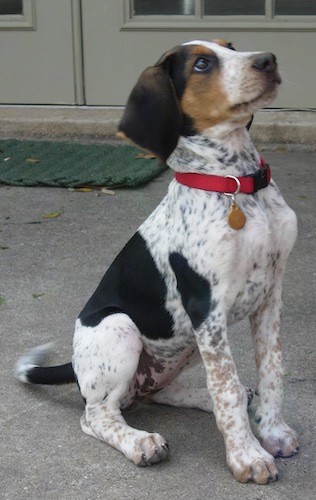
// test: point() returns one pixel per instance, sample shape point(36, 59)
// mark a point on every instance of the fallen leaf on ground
point(105, 190)
point(52, 215)
point(32, 160)
point(2, 300)
point(145, 156)
point(37, 295)
point(83, 189)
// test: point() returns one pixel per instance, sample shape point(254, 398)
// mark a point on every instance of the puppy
point(212, 253)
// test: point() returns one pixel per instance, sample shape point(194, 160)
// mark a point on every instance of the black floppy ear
point(152, 117)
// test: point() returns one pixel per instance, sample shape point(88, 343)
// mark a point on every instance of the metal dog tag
point(236, 217)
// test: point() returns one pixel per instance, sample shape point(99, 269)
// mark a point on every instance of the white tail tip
point(34, 357)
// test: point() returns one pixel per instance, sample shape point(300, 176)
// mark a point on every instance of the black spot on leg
point(194, 289)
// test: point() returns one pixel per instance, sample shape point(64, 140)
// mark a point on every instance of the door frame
point(77, 34)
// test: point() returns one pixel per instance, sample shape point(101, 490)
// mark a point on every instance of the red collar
point(230, 184)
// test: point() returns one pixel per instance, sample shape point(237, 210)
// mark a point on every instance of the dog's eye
point(202, 64)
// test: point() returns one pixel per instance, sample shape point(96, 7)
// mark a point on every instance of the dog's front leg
point(275, 435)
point(246, 458)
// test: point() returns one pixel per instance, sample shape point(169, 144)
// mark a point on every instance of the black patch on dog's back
point(194, 289)
point(132, 285)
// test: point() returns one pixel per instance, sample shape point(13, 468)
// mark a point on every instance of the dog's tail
point(29, 369)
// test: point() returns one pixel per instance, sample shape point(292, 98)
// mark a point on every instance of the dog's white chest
point(241, 265)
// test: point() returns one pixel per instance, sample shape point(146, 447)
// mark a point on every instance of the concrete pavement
point(49, 268)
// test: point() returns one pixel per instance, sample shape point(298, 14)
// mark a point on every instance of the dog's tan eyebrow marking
point(201, 50)
point(222, 42)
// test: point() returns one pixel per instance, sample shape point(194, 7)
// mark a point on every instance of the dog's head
point(194, 87)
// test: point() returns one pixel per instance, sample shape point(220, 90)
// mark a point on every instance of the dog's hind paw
point(151, 450)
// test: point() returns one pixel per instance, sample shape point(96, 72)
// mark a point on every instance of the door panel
point(90, 52)
point(114, 58)
point(38, 63)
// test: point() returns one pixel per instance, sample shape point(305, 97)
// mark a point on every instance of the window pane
point(234, 7)
point(162, 7)
point(11, 7)
point(295, 7)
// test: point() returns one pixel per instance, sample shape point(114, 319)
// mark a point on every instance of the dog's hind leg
point(105, 361)
point(176, 394)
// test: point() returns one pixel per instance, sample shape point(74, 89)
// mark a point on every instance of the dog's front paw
point(252, 463)
point(279, 440)
point(150, 450)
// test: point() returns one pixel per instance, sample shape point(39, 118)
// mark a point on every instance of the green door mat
point(60, 164)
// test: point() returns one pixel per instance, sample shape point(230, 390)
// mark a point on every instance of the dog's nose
point(265, 62)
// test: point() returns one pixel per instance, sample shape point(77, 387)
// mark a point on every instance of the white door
point(122, 37)
point(40, 60)
point(92, 51)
